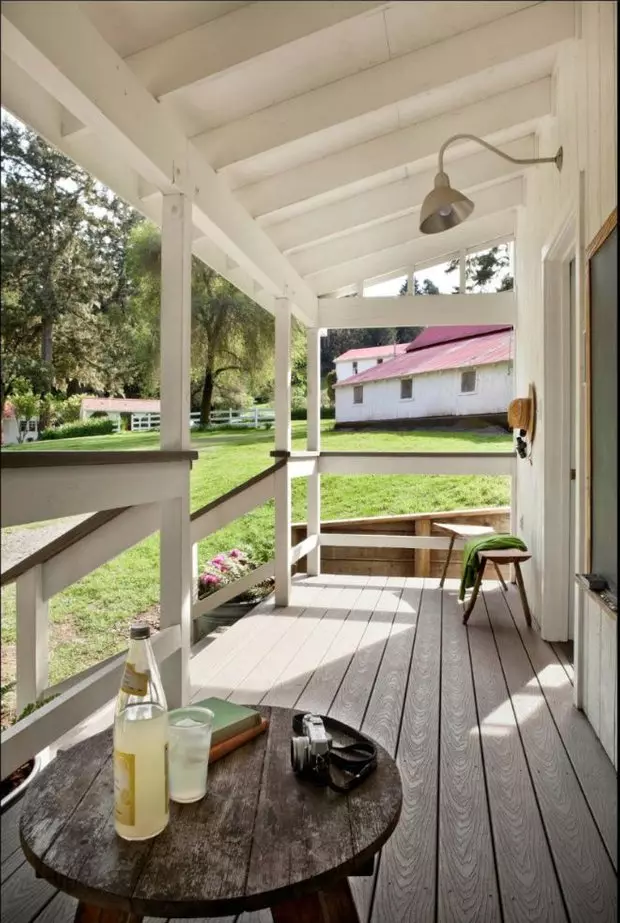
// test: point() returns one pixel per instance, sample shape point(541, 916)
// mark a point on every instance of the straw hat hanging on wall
point(522, 414)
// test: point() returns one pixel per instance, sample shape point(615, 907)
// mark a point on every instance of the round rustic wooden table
point(260, 838)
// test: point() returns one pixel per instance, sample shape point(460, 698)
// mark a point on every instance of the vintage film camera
point(310, 749)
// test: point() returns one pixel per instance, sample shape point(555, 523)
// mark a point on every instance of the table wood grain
point(260, 838)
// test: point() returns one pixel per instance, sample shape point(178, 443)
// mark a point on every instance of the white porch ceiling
point(306, 133)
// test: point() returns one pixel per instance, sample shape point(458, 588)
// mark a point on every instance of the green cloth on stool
point(471, 561)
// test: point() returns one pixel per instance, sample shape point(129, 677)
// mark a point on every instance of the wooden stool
point(508, 556)
point(460, 530)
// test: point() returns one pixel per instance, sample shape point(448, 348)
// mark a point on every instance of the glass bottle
point(141, 802)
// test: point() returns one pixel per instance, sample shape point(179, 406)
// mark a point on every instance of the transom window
point(406, 389)
point(358, 394)
point(468, 381)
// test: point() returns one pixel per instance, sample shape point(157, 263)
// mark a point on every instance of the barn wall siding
point(585, 124)
point(434, 394)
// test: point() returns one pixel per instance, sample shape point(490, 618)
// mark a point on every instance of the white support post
point(314, 445)
point(32, 647)
point(175, 547)
point(463, 272)
point(283, 517)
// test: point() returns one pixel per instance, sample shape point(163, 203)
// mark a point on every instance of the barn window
point(468, 381)
point(358, 394)
point(354, 368)
point(406, 389)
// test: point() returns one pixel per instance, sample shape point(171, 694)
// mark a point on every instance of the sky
point(445, 283)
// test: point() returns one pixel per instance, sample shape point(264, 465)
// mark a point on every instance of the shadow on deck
point(509, 800)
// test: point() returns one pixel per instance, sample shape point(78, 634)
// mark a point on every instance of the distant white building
point(11, 427)
point(446, 372)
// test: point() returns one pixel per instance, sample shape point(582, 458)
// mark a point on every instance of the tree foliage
point(232, 336)
point(486, 271)
point(63, 279)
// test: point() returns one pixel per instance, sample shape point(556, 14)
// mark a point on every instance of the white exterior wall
point(585, 124)
point(434, 394)
point(10, 431)
point(344, 367)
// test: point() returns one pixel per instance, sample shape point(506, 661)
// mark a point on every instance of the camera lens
point(300, 748)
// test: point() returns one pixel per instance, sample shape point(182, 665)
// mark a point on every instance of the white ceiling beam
point(61, 49)
point(441, 64)
point(518, 109)
point(34, 106)
point(398, 231)
point(233, 39)
point(418, 311)
point(395, 198)
point(472, 233)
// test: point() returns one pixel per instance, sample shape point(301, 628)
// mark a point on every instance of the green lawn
point(89, 620)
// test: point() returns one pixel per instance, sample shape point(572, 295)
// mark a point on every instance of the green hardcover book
point(230, 719)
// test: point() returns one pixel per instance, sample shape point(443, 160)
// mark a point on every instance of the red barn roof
point(121, 405)
point(434, 335)
point(372, 352)
point(474, 351)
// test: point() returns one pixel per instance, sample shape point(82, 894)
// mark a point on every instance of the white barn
point(446, 372)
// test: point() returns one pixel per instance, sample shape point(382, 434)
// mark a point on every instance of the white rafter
point(58, 46)
point(397, 231)
point(479, 52)
point(421, 311)
point(395, 198)
point(236, 38)
point(472, 233)
point(30, 102)
point(517, 111)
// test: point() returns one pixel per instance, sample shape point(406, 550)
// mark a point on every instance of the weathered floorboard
point(322, 688)
point(383, 713)
point(467, 883)
point(292, 681)
point(528, 885)
point(593, 767)
point(405, 889)
point(583, 866)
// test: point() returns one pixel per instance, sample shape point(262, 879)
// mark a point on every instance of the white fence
point(144, 422)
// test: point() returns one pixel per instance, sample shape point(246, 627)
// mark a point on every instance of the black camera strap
point(357, 760)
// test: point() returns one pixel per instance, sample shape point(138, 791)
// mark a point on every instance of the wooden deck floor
point(510, 802)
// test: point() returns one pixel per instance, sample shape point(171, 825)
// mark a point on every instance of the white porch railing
point(108, 533)
point(53, 484)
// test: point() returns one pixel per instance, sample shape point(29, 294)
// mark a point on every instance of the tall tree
point(232, 336)
point(62, 269)
point(487, 270)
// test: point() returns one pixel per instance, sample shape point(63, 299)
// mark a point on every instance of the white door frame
point(557, 253)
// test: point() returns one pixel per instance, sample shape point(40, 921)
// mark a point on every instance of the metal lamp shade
point(444, 207)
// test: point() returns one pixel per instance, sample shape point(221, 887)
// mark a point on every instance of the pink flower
point(218, 559)
point(209, 579)
point(235, 553)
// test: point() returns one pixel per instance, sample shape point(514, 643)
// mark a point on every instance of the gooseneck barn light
point(445, 207)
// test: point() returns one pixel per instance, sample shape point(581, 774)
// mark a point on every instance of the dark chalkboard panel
point(603, 367)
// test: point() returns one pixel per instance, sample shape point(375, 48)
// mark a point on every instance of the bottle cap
point(139, 631)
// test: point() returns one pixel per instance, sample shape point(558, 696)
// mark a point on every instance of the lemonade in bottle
point(141, 804)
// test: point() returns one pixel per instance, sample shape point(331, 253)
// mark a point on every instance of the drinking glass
point(189, 731)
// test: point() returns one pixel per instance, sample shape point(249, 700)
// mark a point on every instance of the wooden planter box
point(399, 562)
point(222, 617)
